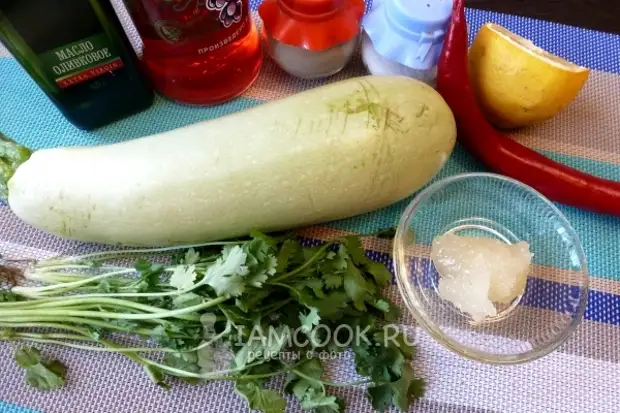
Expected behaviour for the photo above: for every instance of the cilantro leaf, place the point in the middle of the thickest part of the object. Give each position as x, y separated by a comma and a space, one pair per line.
94, 332
42, 375
105, 287
257, 250
156, 375
308, 321
259, 398
395, 341
186, 361
191, 257
386, 233
382, 276
406, 389
310, 390
380, 397
248, 302
206, 359
321, 403
226, 275
299, 386
391, 312
332, 281
382, 305
186, 300
331, 307
378, 358
126, 324
261, 261
175, 336
355, 250
183, 277
287, 251
8, 296
258, 277
149, 273
357, 288
270, 240
27, 357
48, 376
315, 284
335, 262
384, 362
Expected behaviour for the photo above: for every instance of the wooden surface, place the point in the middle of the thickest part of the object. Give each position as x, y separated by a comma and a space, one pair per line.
603, 15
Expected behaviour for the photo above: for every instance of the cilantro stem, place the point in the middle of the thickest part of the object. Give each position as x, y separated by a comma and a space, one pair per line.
311, 379
84, 335
23, 337
206, 376
288, 287
305, 265
44, 340
210, 376
83, 302
51, 336
274, 307
48, 268
45, 317
142, 295
14, 325
108, 302
36, 322
118, 316
26, 291
51, 278
106, 255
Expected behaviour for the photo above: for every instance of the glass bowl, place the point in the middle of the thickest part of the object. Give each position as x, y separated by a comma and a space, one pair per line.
483, 204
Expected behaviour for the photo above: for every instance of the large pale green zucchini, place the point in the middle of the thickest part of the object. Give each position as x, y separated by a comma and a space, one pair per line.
328, 153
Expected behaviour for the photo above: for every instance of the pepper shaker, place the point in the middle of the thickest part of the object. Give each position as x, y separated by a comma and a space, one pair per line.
404, 37
311, 39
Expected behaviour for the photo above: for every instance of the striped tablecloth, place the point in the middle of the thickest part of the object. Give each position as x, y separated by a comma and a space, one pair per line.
582, 376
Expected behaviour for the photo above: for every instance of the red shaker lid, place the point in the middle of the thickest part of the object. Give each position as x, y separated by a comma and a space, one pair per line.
312, 24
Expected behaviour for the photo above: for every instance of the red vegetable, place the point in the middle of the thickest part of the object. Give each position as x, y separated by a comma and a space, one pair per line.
502, 154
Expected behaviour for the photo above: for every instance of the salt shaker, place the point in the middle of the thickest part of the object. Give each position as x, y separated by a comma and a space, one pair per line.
311, 39
404, 37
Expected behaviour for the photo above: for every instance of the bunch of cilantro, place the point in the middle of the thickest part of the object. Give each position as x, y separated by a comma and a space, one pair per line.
271, 304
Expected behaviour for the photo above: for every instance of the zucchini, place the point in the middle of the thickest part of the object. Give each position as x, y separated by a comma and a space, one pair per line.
328, 153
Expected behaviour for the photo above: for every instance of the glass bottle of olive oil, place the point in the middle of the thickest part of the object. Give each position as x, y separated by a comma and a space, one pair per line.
79, 54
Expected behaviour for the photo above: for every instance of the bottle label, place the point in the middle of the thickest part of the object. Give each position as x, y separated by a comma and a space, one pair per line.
194, 26
80, 61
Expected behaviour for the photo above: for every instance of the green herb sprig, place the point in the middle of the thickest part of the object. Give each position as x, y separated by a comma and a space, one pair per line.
273, 305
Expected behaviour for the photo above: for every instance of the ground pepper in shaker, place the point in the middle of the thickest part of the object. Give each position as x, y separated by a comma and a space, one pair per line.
311, 39
404, 37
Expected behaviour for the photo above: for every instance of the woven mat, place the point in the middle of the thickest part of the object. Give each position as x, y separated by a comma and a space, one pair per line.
582, 376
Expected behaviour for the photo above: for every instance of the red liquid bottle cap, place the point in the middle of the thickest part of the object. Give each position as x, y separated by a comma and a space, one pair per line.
315, 25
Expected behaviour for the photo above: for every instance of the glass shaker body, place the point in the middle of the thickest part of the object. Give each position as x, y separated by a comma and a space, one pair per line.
378, 65
311, 39
404, 37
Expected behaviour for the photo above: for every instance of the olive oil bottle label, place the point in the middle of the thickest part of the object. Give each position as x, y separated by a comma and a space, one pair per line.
80, 61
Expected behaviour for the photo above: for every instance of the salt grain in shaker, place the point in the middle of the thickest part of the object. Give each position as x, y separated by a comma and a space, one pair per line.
405, 37
311, 39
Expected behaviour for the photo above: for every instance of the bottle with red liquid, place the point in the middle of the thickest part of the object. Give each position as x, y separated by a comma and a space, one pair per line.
199, 52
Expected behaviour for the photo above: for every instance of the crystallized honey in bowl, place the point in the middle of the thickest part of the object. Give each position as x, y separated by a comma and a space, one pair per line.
490, 268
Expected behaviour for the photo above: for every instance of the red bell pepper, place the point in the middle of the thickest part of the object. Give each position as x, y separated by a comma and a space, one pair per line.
499, 152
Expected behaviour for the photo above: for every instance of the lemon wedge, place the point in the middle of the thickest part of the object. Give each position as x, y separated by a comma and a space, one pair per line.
516, 82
